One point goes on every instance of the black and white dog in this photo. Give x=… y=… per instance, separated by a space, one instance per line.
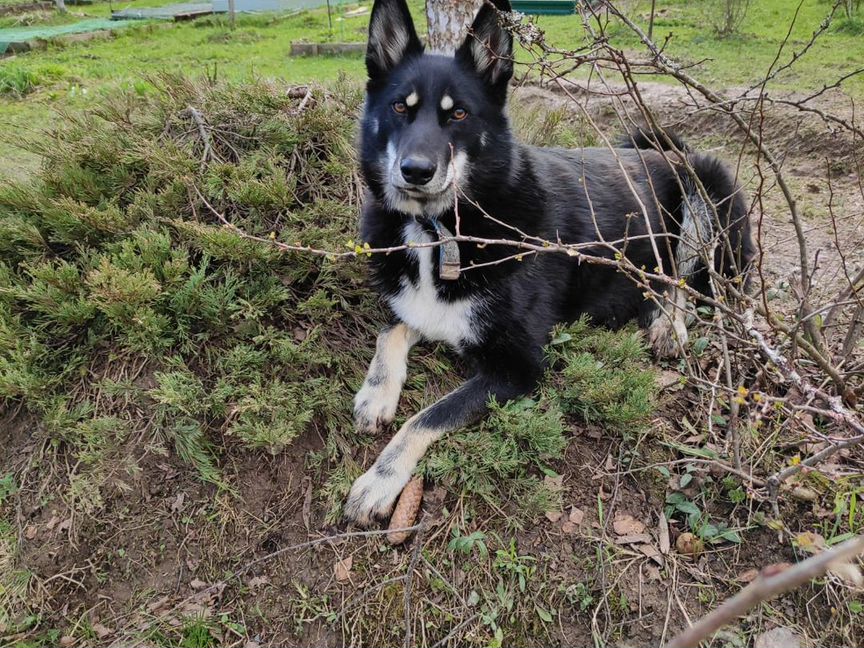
x=436 y=146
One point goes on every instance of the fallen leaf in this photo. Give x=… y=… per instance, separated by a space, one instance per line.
x=30 y=532
x=307 y=504
x=569 y=528
x=342 y=569
x=252 y=644
x=636 y=538
x=669 y=380
x=663 y=533
x=804 y=494
x=553 y=516
x=627 y=525
x=576 y=515
x=651 y=552
x=748 y=576
x=810 y=542
x=101 y=630
x=67 y=640
x=258 y=581
x=554 y=484
x=177 y=504
x=197 y=584
x=156 y=606
x=653 y=572
x=50 y=524
x=779 y=637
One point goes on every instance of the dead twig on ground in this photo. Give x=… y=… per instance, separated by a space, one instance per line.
x=772 y=581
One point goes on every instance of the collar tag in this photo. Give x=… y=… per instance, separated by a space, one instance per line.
x=449 y=264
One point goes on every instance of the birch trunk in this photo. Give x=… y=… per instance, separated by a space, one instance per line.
x=448 y=22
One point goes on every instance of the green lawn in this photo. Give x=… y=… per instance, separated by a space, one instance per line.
x=69 y=77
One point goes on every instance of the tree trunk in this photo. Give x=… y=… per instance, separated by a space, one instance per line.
x=61 y=5
x=448 y=22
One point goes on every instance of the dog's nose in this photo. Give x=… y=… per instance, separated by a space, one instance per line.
x=417 y=170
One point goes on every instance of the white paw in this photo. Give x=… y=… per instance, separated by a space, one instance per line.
x=373 y=494
x=375 y=405
x=667 y=338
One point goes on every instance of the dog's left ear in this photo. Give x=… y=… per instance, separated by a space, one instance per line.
x=488 y=49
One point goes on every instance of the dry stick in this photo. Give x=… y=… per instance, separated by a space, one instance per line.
x=674 y=70
x=198 y=118
x=837 y=412
x=768 y=584
x=409 y=582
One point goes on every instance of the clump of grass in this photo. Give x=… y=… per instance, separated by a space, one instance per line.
x=17 y=81
x=603 y=376
x=539 y=125
x=852 y=25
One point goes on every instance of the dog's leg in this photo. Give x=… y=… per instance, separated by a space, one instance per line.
x=667 y=331
x=373 y=494
x=375 y=404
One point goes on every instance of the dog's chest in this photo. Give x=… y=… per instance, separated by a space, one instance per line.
x=420 y=305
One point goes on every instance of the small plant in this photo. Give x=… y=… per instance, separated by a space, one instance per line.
x=698 y=521
x=467 y=544
x=578 y=595
x=728 y=16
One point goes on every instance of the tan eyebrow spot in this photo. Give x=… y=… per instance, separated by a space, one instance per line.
x=446 y=102
x=412 y=99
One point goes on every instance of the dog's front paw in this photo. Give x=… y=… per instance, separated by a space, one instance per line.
x=373 y=494
x=375 y=405
x=666 y=337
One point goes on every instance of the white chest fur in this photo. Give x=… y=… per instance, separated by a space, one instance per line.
x=421 y=307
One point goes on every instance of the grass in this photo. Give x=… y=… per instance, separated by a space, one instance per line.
x=260 y=48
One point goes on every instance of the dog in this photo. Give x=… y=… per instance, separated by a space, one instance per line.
x=438 y=157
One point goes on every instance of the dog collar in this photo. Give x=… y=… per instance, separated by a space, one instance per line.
x=449 y=264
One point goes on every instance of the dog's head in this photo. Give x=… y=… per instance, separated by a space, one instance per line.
x=429 y=118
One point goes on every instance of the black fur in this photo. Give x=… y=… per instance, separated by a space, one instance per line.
x=552 y=194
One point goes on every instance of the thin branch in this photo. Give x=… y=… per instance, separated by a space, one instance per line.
x=772 y=581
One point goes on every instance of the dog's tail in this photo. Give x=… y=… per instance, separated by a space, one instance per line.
x=643 y=137
x=720 y=222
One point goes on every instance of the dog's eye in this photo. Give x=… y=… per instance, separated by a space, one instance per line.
x=400 y=107
x=458 y=114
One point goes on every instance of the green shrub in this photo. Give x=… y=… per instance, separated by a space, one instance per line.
x=603 y=376
x=114 y=263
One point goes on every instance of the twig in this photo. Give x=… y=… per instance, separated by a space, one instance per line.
x=772 y=581
x=198 y=118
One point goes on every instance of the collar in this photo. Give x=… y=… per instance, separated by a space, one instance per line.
x=449 y=263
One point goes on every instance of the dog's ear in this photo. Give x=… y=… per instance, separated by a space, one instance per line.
x=392 y=37
x=488 y=49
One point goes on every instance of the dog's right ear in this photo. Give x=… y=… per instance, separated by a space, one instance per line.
x=392 y=37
